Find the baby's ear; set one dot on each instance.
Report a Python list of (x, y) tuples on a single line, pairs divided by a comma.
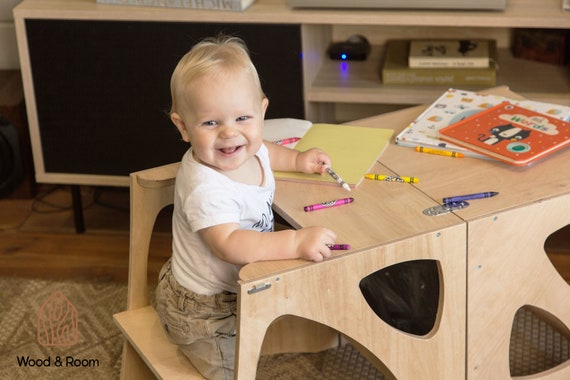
[(264, 104), (177, 120)]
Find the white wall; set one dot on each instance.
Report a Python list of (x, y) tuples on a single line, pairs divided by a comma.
[(8, 45)]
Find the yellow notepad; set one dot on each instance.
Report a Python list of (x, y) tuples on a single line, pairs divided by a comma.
[(353, 151)]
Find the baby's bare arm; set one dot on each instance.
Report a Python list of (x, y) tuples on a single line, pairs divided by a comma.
[(237, 246), (290, 160)]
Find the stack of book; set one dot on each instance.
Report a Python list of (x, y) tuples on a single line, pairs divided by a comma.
[(509, 133), (440, 62), (483, 125)]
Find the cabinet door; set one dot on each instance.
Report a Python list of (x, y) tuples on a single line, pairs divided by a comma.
[(102, 87)]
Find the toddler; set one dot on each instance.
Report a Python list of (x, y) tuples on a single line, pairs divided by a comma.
[(223, 196)]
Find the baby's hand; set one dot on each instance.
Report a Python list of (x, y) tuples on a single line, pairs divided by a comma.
[(312, 160), (312, 243)]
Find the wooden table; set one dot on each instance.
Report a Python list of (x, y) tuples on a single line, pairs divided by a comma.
[(490, 255), (507, 266), (385, 227)]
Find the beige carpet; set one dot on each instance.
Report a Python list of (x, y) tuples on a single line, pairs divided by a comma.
[(92, 348), (95, 351), (98, 344)]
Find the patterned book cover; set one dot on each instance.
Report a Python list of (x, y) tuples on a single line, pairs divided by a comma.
[(455, 105), (510, 133)]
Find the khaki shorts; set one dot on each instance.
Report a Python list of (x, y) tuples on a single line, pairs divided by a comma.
[(203, 327)]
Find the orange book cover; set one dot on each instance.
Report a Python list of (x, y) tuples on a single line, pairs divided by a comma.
[(509, 133)]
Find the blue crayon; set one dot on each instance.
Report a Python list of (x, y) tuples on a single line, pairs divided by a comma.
[(467, 197)]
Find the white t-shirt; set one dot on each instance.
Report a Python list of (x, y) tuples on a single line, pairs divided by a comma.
[(203, 198)]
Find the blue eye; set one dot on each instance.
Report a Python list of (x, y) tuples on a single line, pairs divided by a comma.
[(242, 118)]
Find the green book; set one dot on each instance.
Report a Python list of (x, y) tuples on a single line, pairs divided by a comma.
[(395, 69)]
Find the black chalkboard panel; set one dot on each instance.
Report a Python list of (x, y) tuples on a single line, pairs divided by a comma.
[(102, 87)]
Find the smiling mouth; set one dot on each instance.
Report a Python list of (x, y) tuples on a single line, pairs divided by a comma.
[(230, 150)]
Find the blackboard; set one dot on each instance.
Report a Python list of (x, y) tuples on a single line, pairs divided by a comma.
[(102, 87)]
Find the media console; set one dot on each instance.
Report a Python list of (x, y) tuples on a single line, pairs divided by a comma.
[(96, 76)]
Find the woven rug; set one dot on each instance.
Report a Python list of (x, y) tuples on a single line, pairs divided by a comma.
[(91, 345), (94, 351)]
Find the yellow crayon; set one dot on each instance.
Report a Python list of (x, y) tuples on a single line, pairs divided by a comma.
[(391, 178), (439, 151)]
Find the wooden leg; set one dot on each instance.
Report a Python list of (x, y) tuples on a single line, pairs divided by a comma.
[(508, 269), (251, 332), (133, 366), (77, 209)]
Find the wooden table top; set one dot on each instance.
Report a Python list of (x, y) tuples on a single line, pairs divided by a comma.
[(385, 212), (382, 212)]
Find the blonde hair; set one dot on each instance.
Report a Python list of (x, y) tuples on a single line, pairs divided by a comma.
[(211, 56)]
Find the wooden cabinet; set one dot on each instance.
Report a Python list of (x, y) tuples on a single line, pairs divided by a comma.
[(326, 86)]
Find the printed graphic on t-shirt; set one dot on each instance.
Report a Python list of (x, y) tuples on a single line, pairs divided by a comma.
[(265, 224)]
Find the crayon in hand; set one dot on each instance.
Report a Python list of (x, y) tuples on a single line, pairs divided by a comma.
[(339, 247), (336, 177)]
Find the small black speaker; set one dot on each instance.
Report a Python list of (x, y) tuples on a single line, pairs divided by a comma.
[(11, 165)]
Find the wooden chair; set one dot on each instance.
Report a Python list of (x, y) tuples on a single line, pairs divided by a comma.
[(147, 352)]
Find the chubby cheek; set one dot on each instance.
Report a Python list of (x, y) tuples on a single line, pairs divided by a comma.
[(201, 146), (206, 157), (254, 145)]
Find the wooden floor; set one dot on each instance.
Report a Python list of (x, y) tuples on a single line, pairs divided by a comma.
[(38, 237)]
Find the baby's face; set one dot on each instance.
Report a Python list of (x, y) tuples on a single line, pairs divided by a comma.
[(223, 120)]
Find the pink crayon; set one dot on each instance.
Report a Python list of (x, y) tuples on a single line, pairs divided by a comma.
[(333, 203), (289, 140), (339, 247)]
